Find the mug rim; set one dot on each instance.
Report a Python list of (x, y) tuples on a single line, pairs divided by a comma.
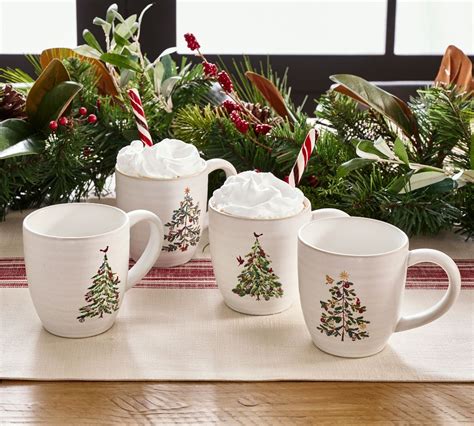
[(306, 203), (364, 219), (27, 227), (158, 179)]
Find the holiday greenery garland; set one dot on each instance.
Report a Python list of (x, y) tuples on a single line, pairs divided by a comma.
[(376, 156)]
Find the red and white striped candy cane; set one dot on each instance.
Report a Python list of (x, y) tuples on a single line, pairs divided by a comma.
[(303, 158), (140, 118)]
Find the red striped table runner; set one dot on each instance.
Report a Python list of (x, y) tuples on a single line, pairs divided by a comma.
[(198, 274)]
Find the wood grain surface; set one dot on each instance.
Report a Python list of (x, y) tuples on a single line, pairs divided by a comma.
[(269, 403)]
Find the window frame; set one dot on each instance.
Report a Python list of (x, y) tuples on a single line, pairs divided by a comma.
[(308, 74)]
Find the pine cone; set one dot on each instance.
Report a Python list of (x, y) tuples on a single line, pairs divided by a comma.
[(258, 111), (12, 103)]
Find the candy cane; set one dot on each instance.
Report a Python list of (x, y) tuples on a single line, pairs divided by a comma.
[(140, 119), (303, 158)]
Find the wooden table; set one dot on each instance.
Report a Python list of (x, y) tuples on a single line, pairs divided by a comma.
[(257, 403), (270, 403)]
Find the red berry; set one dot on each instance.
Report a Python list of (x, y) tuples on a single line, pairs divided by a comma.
[(92, 118), (346, 285), (323, 320), (225, 81), (313, 180), (82, 110), (209, 69), (230, 106), (191, 41), (262, 129), (53, 125), (63, 121)]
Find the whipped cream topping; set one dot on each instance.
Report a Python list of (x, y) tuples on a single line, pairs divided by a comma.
[(258, 196), (170, 158)]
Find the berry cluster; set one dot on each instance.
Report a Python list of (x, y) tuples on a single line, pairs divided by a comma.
[(241, 124), (230, 106), (225, 82), (68, 122), (192, 42), (262, 129), (210, 70)]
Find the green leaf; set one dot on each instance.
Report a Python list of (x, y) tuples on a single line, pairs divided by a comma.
[(471, 149), (120, 61), (158, 74), (127, 28), (366, 149), (55, 102), (399, 183), (16, 138), (91, 40), (169, 67), (106, 27), (422, 179), (400, 151), (51, 76), (381, 101), (354, 164), (121, 41)]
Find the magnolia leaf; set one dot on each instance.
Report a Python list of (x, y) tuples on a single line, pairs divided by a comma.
[(55, 102), (354, 164), (105, 84), (91, 40), (381, 101), (51, 76), (422, 179), (16, 138), (120, 61), (366, 149), (168, 85), (381, 146), (270, 92), (400, 151), (456, 68)]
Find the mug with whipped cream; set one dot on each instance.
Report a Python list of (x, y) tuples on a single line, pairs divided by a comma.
[(169, 179), (254, 220)]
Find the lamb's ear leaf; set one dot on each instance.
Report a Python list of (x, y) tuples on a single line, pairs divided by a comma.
[(270, 92), (51, 76), (381, 101)]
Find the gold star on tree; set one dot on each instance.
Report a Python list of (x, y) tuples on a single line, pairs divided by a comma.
[(344, 276)]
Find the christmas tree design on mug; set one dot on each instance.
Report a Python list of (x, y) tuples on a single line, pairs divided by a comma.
[(257, 279), (341, 315), (103, 294), (184, 229)]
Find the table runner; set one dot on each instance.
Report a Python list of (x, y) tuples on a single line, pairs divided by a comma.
[(174, 326)]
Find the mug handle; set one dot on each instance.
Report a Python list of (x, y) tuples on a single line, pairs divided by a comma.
[(441, 259), (152, 249), (216, 164), (327, 214)]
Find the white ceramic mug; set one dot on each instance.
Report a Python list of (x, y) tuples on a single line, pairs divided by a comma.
[(352, 274), (255, 260), (77, 259), (179, 202)]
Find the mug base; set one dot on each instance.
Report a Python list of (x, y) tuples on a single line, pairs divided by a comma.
[(58, 333), (344, 354), (256, 312)]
